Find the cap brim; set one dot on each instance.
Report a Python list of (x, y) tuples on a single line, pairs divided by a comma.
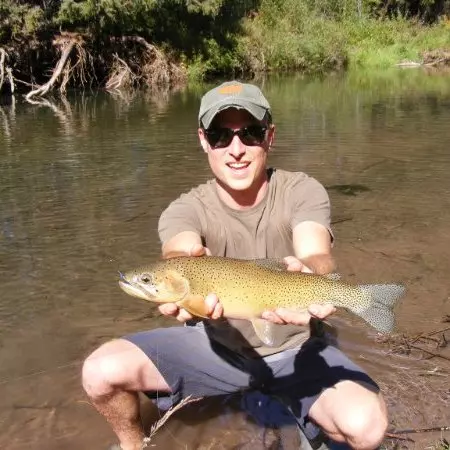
[(258, 112)]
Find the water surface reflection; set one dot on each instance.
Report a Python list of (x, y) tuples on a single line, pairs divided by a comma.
[(84, 181)]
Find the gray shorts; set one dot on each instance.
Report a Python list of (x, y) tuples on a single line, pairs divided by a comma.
[(194, 365)]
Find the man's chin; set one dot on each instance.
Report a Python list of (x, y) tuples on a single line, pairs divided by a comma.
[(239, 185)]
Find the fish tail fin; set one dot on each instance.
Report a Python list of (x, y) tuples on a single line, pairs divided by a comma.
[(381, 299)]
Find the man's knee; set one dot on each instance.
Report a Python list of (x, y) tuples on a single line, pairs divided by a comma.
[(349, 412), (364, 425), (110, 367)]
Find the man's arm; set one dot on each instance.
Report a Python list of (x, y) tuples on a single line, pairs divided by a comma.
[(182, 243), (188, 243), (312, 247)]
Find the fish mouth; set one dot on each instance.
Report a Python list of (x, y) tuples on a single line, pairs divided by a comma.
[(134, 289)]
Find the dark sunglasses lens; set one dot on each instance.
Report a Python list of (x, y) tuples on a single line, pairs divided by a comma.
[(219, 137), (253, 135), (222, 137)]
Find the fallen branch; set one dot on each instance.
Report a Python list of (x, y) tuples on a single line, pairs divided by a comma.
[(429, 352), (122, 75), (154, 68), (10, 79), (400, 438), (66, 42), (420, 430), (156, 426), (3, 55)]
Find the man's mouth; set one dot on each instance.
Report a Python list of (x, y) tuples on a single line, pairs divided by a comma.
[(238, 165)]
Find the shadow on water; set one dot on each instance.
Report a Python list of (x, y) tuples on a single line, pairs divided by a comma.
[(84, 181), (348, 189)]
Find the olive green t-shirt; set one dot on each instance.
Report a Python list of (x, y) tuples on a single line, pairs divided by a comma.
[(263, 231)]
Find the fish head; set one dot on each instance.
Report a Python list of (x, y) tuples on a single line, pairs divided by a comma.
[(155, 285)]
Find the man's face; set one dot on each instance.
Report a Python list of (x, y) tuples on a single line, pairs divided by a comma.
[(238, 165)]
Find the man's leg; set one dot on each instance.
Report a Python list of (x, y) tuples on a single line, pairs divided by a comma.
[(349, 412), (167, 363), (324, 387), (112, 377)]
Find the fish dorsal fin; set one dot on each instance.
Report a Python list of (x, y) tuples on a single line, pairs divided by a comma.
[(333, 276), (265, 331), (195, 304), (271, 263)]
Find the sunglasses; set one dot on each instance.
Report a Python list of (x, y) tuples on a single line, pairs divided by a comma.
[(222, 137)]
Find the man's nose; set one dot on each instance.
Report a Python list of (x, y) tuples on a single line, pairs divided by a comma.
[(236, 147)]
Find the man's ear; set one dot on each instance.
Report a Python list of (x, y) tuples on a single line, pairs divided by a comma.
[(203, 141), (271, 135)]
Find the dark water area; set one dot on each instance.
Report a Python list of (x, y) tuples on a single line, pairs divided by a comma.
[(82, 184)]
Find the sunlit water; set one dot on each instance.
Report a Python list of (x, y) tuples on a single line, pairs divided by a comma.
[(84, 181)]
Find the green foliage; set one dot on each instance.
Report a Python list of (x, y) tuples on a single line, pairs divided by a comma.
[(19, 20), (293, 39), (205, 7), (213, 37), (215, 60), (114, 17), (384, 43), (317, 35)]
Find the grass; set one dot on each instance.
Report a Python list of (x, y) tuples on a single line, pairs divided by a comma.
[(314, 42), (383, 43)]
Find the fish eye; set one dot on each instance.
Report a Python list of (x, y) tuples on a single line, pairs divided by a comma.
[(146, 278)]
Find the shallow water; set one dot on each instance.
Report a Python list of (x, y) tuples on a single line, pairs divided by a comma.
[(84, 181)]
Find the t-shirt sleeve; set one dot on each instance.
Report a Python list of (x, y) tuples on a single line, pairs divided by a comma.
[(181, 215), (310, 202)]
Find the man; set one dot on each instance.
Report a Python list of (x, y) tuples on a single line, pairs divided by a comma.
[(246, 211)]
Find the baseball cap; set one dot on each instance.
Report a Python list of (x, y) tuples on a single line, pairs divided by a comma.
[(232, 94)]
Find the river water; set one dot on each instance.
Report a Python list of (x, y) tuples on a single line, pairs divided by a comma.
[(84, 180)]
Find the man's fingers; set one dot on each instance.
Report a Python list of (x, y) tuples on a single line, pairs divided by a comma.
[(294, 317), (272, 317), (293, 263), (171, 309), (215, 309), (211, 302), (199, 250), (302, 318), (183, 316), (218, 311), (168, 309), (321, 311)]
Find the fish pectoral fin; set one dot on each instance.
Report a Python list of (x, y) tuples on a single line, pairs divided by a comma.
[(195, 304), (265, 331), (176, 283)]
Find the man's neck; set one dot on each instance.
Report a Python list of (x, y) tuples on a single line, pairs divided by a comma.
[(242, 200)]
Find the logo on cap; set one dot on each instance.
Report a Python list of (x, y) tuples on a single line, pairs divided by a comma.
[(230, 89)]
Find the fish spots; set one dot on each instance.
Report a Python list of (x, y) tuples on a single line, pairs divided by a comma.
[(246, 288)]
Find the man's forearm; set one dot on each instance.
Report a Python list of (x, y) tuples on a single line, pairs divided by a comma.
[(320, 264)]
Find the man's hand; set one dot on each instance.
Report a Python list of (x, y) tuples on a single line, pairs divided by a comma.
[(215, 309), (284, 316), (293, 264)]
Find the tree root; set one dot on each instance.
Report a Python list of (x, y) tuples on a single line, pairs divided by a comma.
[(121, 75), (5, 70), (65, 42), (154, 69)]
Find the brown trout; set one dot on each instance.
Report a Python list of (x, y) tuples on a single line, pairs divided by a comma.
[(246, 288)]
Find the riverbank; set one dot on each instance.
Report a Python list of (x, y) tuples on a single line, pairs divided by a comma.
[(114, 46)]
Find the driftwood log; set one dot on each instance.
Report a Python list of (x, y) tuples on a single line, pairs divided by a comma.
[(65, 42), (5, 71)]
